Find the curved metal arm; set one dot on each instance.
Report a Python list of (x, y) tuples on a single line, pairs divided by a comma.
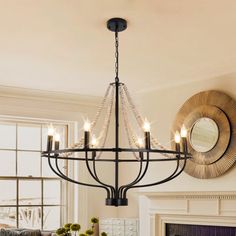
[(94, 175), (133, 182), (143, 174), (61, 175), (172, 176)]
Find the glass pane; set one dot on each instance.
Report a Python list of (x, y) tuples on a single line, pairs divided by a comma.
[(29, 137), (46, 170), (30, 217), (8, 136), (8, 163), (8, 196), (29, 192), (28, 164), (51, 218), (7, 217), (52, 192)]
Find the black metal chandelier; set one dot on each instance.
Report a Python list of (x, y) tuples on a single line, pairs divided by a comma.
[(141, 146)]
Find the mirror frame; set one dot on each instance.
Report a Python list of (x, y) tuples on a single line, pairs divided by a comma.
[(221, 108)]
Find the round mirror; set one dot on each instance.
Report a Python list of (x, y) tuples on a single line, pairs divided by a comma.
[(204, 134)]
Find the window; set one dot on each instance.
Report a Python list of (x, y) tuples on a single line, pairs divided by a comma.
[(30, 194)]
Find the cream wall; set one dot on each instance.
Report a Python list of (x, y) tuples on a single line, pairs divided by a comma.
[(160, 107)]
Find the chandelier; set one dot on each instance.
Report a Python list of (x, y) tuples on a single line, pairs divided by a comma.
[(142, 145)]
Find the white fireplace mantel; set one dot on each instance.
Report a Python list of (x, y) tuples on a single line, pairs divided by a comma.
[(203, 208)]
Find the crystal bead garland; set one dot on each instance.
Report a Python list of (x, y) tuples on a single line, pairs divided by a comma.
[(104, 132), (140, 122), (80, 143), (128, 128)]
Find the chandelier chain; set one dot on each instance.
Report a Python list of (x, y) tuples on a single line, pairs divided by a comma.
[(117, 56)]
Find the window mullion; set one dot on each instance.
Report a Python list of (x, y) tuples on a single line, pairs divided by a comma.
[(19, 177)]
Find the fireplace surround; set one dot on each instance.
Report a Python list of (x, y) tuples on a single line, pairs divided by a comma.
[(191, 208)]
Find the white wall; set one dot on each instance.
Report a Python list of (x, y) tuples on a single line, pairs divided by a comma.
[(160, 107)]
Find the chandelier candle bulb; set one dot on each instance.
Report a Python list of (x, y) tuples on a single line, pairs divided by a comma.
[(49, 142), (140, 145), (183, 134), (146, 126), (57, 141), (147, 140), (50, 138), (177, 142), (94, 143), (140, 142), (184, 145), (86, 139), (87, 127)]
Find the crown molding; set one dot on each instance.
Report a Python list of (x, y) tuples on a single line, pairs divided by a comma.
[(49, 96)]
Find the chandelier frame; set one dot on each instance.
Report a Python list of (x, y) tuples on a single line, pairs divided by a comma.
[(117, 194)]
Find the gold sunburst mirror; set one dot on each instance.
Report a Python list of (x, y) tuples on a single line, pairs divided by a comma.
[(210, 118)]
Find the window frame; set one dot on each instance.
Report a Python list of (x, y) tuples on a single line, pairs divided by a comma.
[(64, 196)]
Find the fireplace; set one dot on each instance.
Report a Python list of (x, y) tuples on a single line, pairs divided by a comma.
[(206, 210), (199, 230)]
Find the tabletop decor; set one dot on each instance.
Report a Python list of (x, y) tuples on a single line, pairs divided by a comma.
[(70, 229)]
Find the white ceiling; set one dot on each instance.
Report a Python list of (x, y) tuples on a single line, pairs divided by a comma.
[(63, 45)]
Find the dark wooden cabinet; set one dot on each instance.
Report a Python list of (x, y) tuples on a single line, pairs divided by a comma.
[(199, 230)]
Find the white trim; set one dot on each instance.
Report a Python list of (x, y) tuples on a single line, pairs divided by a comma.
[(203, 208)]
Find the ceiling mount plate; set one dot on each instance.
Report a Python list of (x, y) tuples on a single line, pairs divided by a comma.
[(117, 24)]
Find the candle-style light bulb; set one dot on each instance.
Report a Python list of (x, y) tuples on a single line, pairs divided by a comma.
[(177, 137), (57, 137), (87, 125), (183, 132), (87, 128), (57, 141), (140, 143), (177, 143), (94, 141), (146, 126), (51, 130), (50, 137)]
